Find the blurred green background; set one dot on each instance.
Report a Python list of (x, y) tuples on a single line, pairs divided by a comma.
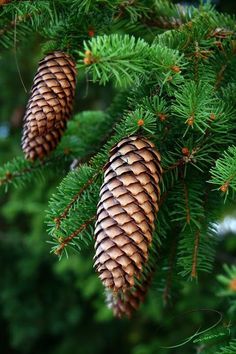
[(53, 307)]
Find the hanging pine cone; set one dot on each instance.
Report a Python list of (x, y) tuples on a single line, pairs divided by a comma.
[(126, 211), (50, 105)]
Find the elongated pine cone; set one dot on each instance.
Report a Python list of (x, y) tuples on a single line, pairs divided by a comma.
[(126, 211), (50, 105)]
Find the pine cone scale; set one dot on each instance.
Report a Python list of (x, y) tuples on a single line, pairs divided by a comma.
[(129, 208), (135, 238), (142, 212), (144, 170), (136, 243)]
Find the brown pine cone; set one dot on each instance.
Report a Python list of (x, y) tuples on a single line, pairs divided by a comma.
[(126, 211), (50, 105)]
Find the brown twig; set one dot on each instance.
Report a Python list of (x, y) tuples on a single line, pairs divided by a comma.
[(220, 76), (178, 163), (9, 176), (74, 199), (195, 254), (64, 241), (163, 22), (188, 217)]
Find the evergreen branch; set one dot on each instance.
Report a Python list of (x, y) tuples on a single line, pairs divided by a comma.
[(228, 349), (163, 22), (196, 251), (35, 11), (206, 42), (29, 16), (228, 92), (65, 212), (152, 13), (12, 24), (193, 105), (168, 15), (224, 172), (117, 56), (85, 5), (227, 281), (175, 165), (126, 60), (81, 140), (136, 10), (188, 210), (20, 171), (65, 241), (187, 77), (213, 339)]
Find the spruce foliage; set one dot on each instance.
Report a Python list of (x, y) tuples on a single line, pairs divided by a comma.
[(171, 69), (176, 87)]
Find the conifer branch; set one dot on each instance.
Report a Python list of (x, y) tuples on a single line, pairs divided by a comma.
[(229, 348), (173, 99), (20, 171), (63, 242), (126, 60), (12, 24), (224, 172), (81, 143), (65, 212)]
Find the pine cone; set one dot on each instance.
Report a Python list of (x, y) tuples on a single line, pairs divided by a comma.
[(50, 105), (126, 211)]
